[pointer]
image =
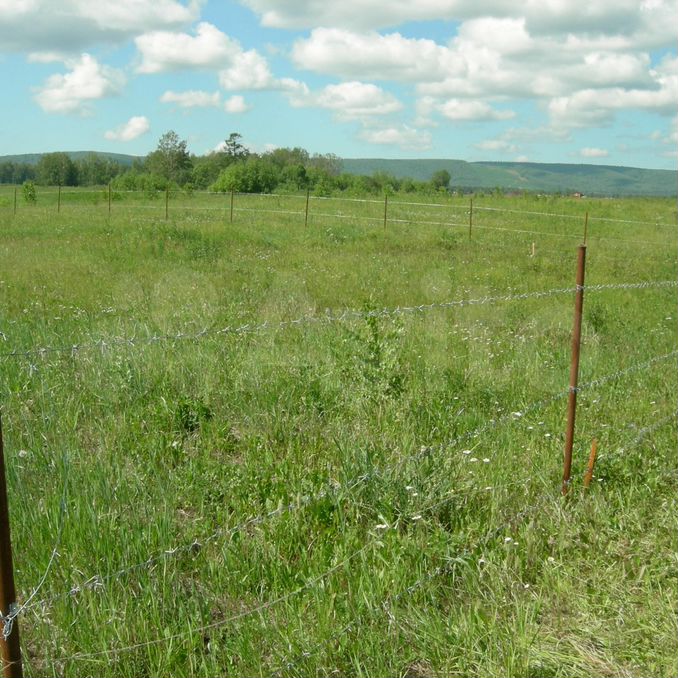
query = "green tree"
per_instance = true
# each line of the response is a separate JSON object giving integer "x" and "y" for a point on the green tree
{"x": 255, "y": 175}
{"x": 96, "y": 170}
{"x": 56, "y": 169}
{"x": 170, "y": 159}
{"x": 233, "y": 147}
{"x": 441, "y": 179}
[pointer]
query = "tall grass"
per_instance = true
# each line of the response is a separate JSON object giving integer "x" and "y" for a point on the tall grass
{"x": 376, "y": 496}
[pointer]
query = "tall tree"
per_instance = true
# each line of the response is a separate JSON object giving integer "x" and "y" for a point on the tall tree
{"x": 170, "y": 159}
{"x": 56, "y": 169}
{"x": 234, "y": 148}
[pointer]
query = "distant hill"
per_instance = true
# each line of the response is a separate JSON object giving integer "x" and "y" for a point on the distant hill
{"x": 34, "y": 158}
{"x": 529, "y": 176}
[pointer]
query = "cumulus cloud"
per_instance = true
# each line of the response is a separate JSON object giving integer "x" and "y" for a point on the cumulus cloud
{"x": 133, "y": 128}
{"x": 236, "y": 105}
{"x": 73, "y": 92}
{"x": 163, "y": 51}
{"x": 456, "y": 109}
{"x": 587, "y": 107}
{"x": 72, "y": 25}
{"x": 404, "y": 137}
{"x": 192, "y": 99}
{"x": 497, "y": 146}
{"x": 646, "y": 24}
{"x": 373, "y": 56}
{"x": 349, "y": 100}
{"x": 594, "y": 153}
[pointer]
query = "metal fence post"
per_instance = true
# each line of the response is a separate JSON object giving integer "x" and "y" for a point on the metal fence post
{"x": 167, "y": 202}
{"x": 385, "y": 209}
{"x": 574, "y": 368}
{"x": 231, "y": 206}
{"x": 109, "y": 198}
{"x": 59, "y": 199}
{"x": 308, "y": 195}
{"x": 15, "y": 192}
{"x": 10, "y": 649}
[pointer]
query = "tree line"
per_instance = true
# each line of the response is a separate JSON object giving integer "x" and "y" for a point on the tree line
{"x": 233, "y": 167}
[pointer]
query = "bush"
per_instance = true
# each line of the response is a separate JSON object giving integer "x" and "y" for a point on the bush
{"x": 30, "y": 195}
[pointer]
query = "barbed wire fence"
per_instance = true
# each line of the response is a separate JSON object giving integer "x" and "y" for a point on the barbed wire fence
{"x": 457, "y": 214}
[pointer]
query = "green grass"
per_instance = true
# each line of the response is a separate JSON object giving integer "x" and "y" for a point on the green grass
{"x": 360, "y": 443}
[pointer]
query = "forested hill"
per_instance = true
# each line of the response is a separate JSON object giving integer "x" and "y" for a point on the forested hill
{"x": 527, "y": 176}
{"x": 34, "y": 158}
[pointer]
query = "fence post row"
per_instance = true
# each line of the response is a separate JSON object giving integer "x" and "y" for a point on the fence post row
{"x": 574, "y": 368}
{"x": 10, "y": 649}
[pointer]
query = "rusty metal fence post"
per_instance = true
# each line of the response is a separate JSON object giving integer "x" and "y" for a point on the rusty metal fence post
{"x": 167, "y": 202}
{"x": 231, "y": 206}
{"x": 308, "y": 196}
{"x": 574, "y": 368}
{"x": 15, "y": 192}
{"x": 59, "y": 199}
{"x": 385, "y": 209}
{"x": 109, "y": 198}
{"x": 10, "y": 649}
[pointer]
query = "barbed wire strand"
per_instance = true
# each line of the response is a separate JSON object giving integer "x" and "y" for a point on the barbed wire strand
{"x": 374, "y": 538}
{"x": 329, "y": 317}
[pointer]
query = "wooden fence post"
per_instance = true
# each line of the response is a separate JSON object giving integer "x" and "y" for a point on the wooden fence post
{"x": 574, "y": 368}
{"x": 10, "y": 649}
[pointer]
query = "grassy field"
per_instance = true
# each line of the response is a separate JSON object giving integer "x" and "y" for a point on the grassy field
{"x": 222, "y": 472}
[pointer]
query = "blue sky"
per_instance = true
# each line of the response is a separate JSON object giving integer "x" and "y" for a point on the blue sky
{"x": 540, "y": 81}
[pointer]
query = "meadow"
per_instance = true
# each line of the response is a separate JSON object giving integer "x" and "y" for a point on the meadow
{"x": 286, "y": 446}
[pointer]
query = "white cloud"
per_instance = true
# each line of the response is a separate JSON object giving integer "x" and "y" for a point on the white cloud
{"x": 236, "y": 104}
{"x": 594, "y": 153}
{"x": 72, "y": 92}
{"x": 192, "y": 98}
{"x": 357, "y": 14}
{"x": 133, "y": 128}
{"x": 646, "y": 24}
{"x": 248, "y": 70}
{"x": 497, "y": 145}
{"x": 71, "y": 25}
{"x": 456, "y": 109}
{"x": 403, "y": 137}
{"x": 349, "y": 100}
{"x": 167, "y": 51}
{"x": 373, "y": 56}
